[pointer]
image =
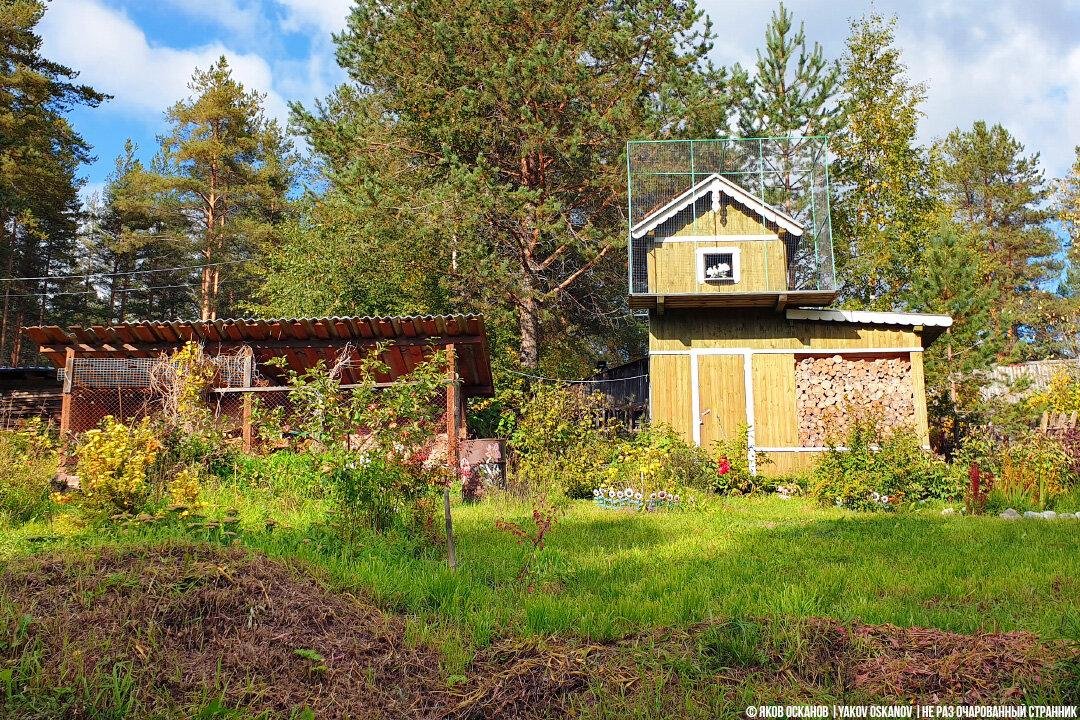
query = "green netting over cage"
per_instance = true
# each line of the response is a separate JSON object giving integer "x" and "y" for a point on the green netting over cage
{"x": 729, "y": 215}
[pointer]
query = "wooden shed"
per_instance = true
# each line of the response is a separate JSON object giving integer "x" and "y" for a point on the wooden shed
{"x": 106, "y": 369}
{"x": 734, "y": 289}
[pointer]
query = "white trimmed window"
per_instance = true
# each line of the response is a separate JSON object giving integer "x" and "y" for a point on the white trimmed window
{"x": 718, "y": 265}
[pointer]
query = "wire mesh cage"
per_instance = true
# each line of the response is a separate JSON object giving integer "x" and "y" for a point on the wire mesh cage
{"x": 729, "y": 215}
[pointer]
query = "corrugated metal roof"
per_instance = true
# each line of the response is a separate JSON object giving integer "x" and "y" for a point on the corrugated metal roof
{"x": 871, "y": 318}
{"x": 934, "y": 324}
{"x": 301, "y": 341}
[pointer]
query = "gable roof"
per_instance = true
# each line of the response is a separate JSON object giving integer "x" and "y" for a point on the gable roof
{"x": 715, "y": 184}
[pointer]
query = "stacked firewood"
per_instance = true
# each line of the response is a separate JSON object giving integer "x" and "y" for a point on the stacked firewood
{"x": 832, "y": 391}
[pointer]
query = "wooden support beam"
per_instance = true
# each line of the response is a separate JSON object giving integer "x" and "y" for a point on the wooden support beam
{"x": 65, "y": 401}
{"x": 781, "y": 302}
{"x": 249, "y": 366}
{"x": 453, "y": 460}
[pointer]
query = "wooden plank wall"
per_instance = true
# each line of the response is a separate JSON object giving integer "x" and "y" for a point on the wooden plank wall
{"x": 918, "y": 386}
{"x": 775, "y": 418}
{"x": 722, "y": 392}
{"x": 685, "y": 330}
{"x": 673, "y": 267}
{"x": 669, "y": 387}
{"x": 721, "y": 377}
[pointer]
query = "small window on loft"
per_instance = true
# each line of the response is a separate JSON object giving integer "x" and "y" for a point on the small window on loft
{"x": 718, "y": 265}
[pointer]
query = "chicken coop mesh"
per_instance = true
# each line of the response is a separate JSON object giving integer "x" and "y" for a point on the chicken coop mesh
{"x": 768, "y": 198}
{"x": 125, "y": 389}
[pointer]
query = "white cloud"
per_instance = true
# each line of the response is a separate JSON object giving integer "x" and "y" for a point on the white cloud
{"x": 240, "y": 17}
{"x": 325, "y": 15}
{"x": 113, "y": 54}
{"x": 1011, "y": 61}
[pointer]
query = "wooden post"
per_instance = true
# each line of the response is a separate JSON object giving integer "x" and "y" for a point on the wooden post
{"x": 249, "y": 361}
{"x": 452, "y": 450}
{"x": 65, "y": 398}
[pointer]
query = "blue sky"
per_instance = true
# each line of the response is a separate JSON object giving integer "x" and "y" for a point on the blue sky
{"x": 1011, "y": 61}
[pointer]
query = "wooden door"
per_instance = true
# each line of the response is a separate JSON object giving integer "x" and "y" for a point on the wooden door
{"x": 721, "y": 397}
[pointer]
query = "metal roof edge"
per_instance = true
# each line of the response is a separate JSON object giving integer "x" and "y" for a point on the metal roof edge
{"x": 867, "y": 317}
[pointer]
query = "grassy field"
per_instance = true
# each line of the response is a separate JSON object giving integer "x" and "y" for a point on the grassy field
{"x": 694, "y": 613}
{"x": 605, "y": 573}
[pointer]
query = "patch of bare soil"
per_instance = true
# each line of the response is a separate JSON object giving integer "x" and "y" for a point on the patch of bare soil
{"x": 197, "y": 621}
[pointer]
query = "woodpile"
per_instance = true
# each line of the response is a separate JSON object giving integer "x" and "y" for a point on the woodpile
{"x": 830, "y": 391}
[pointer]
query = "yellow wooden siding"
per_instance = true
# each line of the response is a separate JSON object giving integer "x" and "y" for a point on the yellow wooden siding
{"x": 682, "y": 331}
{"x": 775, "y": 419}
{"x": 703, "y": 220}
{"x": 787, "y": 463}
{"x": 918, "y": 385}
{"x": 673, "y": 267}
{"x": 669, "y": 388}
{"x": 721, "y": 397}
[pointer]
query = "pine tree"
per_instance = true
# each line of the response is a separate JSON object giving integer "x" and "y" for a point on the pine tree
{"x": 949, "y": 281}
{"x": 794, "y": 89}
{"x": 1068, "y": 212}
{"x": 228, "y": 168}
{"x": 882, "y": 178}
{"x": 40, "y": 154}
{"x": 791, "y": 97}
{"x": 999, "y": 194}
{"x": 514, "y": 117}
{"x": 132, "y": 240}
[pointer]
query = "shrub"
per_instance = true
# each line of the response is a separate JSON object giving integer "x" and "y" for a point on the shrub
{"x": 28, "y": 461}
{"x": 561, "y": 442}
{"x": 658, "y": 458}
{"x": 1035, "y": 465}
{"x": 1062, "y": 394}
{"x": 113, "y": 463}
{"x": 732, "y": 475}
{"x": 372, "y": 443}
{"x": 880, "y": 472}
{"x": 185, "y": 486}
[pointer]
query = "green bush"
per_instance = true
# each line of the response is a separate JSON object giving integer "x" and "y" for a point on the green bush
{"x": 732, "y": 470}
{"x": 658, "y": 458}
{"x": 561, "y": 442}
{"x": 880, "y": 471}
{"x": 27, "y": 465}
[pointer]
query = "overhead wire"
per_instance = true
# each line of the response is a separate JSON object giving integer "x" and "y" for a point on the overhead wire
{"x": 87, "y": 276}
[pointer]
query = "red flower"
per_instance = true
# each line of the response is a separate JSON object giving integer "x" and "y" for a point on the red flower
{"x": 723, "y": 466}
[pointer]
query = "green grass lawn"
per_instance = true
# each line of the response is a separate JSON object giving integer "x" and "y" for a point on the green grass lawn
{"x": 606, "y": 573}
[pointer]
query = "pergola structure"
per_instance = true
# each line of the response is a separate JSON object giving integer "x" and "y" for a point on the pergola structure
{"x": 113, "y": 361}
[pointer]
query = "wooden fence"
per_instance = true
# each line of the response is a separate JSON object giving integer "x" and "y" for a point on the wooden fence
{"x": 1052, "y": 422}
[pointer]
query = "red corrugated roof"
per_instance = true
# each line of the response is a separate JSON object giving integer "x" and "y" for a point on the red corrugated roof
{"x": 301, "y": 341}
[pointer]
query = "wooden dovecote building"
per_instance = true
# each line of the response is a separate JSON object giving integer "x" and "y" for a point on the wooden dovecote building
{"x": 732, "y": 262}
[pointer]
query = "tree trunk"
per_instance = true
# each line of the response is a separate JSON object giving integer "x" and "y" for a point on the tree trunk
{"x": 528, "y": 316}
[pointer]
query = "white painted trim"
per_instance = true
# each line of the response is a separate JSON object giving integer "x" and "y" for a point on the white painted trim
{"x": 797, "y": 449}
{"x": 748, "y": 391}
{"x": 714, "y": 238}
{"x": 715, "y": 184}
{"x": 789, "y": 351}
{"x": 695, "y": 401}
{"x": 736, "y": 265}
{"x": 841, "y": 448}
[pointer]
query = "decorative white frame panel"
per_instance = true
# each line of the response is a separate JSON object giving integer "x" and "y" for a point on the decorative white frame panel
{"x": 736, "y": 264}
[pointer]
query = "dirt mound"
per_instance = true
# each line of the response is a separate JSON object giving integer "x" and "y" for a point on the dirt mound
{"x": 191, "y": 618}
{"x": 934, "y": 666}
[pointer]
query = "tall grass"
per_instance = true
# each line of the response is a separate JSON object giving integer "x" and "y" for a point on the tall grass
{"x": 604, "y": 574}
